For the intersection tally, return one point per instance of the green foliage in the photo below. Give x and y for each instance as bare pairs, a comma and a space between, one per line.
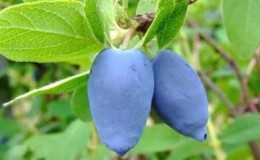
59, 37
244, 129
167, 22
80, 104
66, 35
66, 145
242, 24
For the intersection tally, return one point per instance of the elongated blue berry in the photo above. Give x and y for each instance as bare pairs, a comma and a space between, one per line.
120, 90
179, 98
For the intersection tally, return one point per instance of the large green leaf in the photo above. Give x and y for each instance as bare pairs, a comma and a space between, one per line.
67, 145
241, 20
80, 104
65, 85
50, 31
167, 22
245, 128
157, 138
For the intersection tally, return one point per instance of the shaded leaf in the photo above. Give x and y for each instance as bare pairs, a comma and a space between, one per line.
157, 138
67, 145
80, 104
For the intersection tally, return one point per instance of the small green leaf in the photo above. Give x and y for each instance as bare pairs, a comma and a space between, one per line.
80, 104
241, 20
157, 138
65, 85
93, 14
245, 128
172, 23
167, 22
146, 6
165, 8
49, 31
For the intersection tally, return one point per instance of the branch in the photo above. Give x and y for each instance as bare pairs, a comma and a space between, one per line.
226, 56
192, 1
242, 80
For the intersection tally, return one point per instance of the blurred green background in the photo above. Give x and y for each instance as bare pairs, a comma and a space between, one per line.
46, 128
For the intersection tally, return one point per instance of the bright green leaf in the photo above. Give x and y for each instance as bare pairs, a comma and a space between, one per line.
65, 85
245, 128
51, 31
80, 104
242, 22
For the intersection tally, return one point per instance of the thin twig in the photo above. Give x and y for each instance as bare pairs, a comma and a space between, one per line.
216, 90
127, 38
255, 149
252, 64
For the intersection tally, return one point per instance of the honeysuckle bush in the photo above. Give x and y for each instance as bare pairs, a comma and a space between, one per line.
47, 48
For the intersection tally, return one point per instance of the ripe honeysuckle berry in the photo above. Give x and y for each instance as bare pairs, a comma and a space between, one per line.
179, 98
120, 91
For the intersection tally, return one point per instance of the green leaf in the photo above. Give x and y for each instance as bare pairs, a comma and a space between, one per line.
167, 22
244, 128
157, 138
186, 149
172, 23
146, 6
60, 109
65, 85
67, 145
50, 31
80, 104
93, 15
241, 20
165, 7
